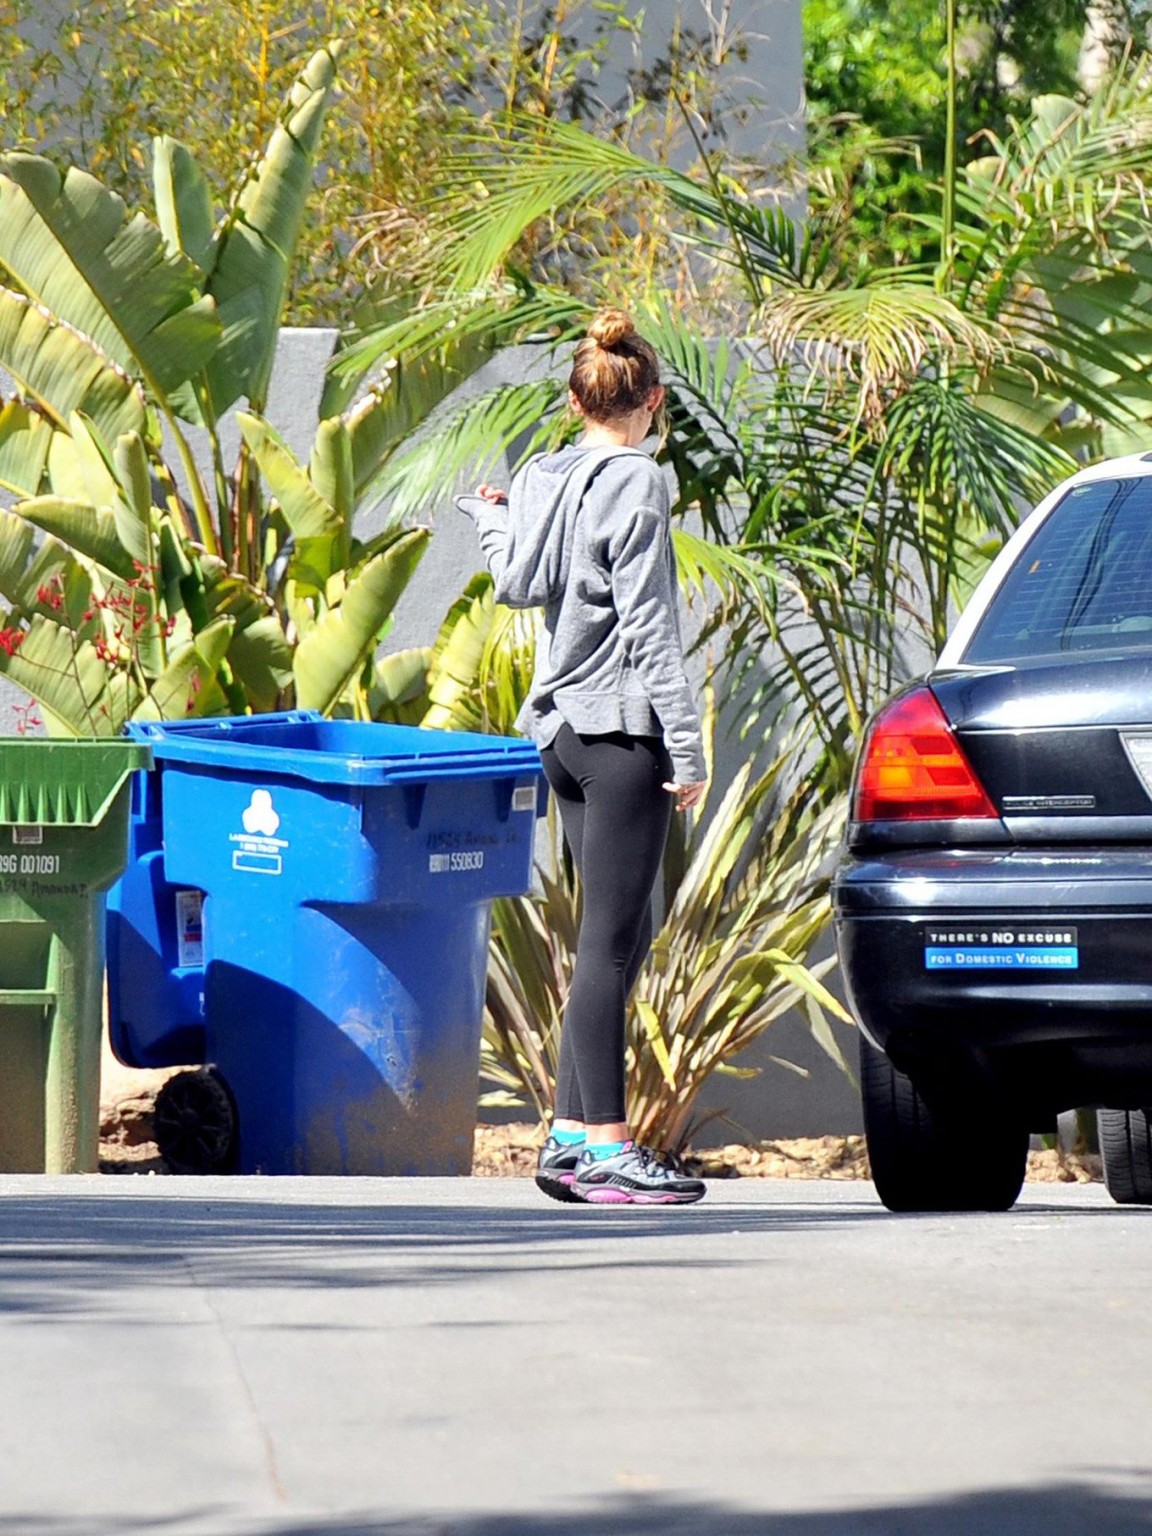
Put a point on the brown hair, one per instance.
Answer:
(614, 369)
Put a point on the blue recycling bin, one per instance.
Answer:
(307, 908)
(155, 948)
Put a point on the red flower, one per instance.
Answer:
(26, 718)
(50, 595)
(11, 640)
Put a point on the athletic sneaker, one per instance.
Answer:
(633, 1176)
(556, 1168)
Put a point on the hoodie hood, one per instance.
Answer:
(543, 507)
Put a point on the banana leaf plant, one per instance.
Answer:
(134, 583)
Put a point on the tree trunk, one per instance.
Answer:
(1107, 31)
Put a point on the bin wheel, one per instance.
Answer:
(194, 1123)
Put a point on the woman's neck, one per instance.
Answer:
(620, 432)
(601, 434)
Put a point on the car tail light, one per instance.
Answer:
(912, 767)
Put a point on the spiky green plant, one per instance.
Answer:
(746, 899)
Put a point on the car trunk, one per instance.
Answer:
(1062, 744)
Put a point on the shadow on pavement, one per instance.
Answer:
(1060, 1509)
(61, 1254)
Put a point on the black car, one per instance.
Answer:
(994, 904)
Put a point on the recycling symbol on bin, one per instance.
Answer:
(260, 819)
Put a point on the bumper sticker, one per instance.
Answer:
(1053, 948)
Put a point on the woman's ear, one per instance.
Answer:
(574, 405)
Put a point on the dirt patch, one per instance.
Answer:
(509, 1151)
(505, 1151)
(127, 1099)
(1057, 1167)
(126, 1144)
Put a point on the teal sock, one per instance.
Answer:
(568, 1138)
(605, 1149)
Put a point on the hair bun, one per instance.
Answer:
(611, 327)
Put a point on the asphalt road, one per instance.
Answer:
(317, 1357)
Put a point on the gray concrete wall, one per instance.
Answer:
(760, 85)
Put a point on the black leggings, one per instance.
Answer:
(615, 815)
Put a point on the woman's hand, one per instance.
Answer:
(687, 795)
(491, 493)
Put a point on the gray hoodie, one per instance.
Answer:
(586, 535)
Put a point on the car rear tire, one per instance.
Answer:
(1126, 1148)
(924, 1161)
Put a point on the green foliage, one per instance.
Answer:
(874, 83)
(102, 637)
(248, 276)
(155, 593)
(95, 86)
(341, 640)
(214, 74)
(70, 245)
(60, 372)
(481, 664)
(474, 677)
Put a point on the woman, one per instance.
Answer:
(585, 534)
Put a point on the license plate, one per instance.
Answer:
(1001, 947)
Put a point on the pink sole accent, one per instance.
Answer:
(610, 1195)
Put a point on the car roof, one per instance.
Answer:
(1131, 467)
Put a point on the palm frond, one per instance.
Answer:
(452, 331)
(879, 335)
(943, 447)
(495, 196)
(474, 435)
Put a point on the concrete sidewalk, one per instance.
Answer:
(322, 1358)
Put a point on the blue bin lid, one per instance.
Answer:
(303, 744)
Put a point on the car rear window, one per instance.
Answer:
(1082, 583)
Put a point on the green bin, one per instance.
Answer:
(63, 842)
